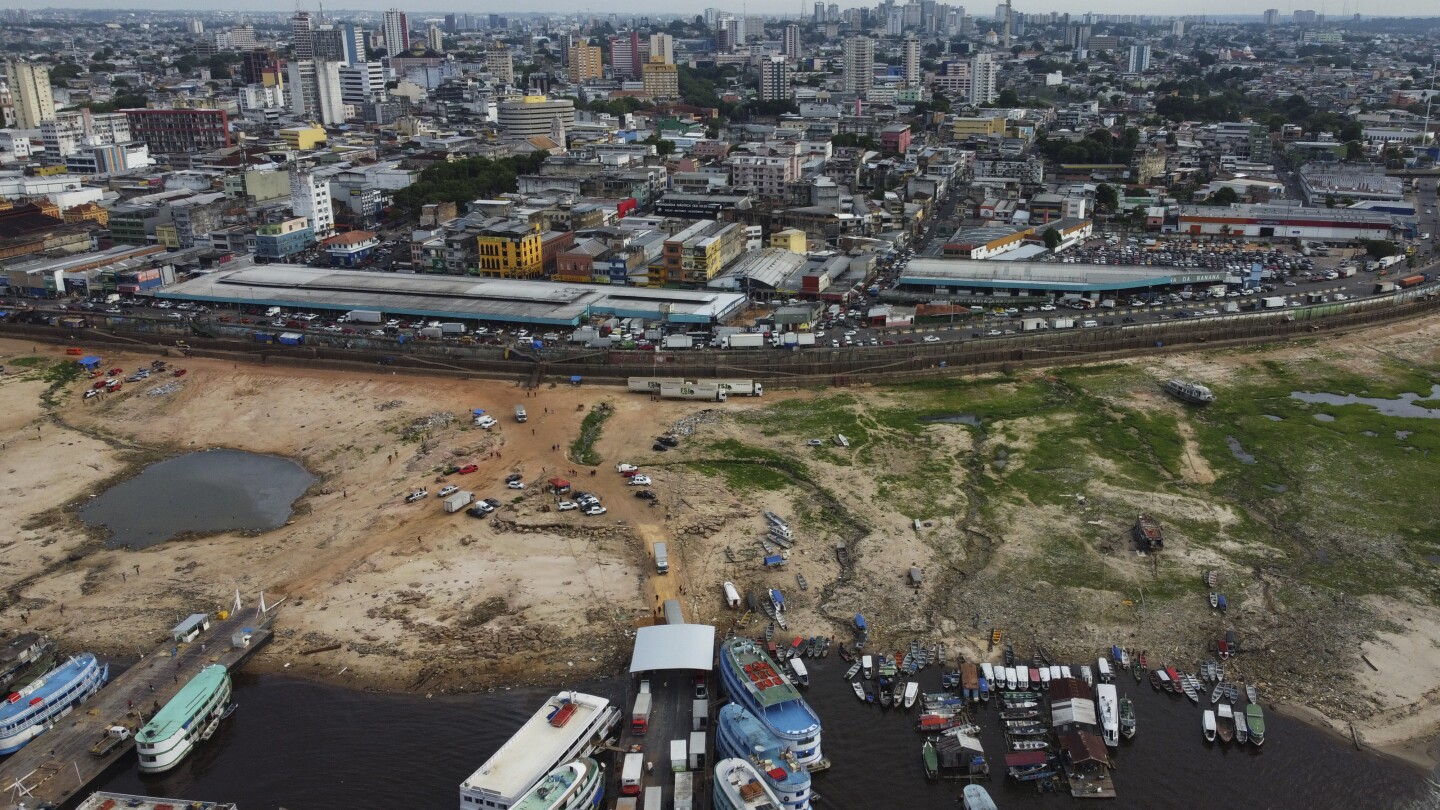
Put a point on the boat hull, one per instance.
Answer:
(50, 698)
(158, 756)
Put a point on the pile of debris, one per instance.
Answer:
(167, 388)
(686, 426)
(426, 424)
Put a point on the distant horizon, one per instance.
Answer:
(1403, 9)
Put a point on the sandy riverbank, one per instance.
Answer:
(423, 601)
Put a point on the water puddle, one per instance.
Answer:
(953, 419)
(1324, 417)
(1372, 434)
(1238, 451)
(1273, 418)
(1276, 488)
(201, 493)
(1402, 435)
(1403, 405)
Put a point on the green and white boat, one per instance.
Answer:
(1255, 722)
(190, 717)
(573, 786)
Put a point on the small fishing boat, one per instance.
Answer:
(1086, 675)
(1127, 717)
(1143, 663)
(897, 695)
(1102, 670)
(1174, 682)
(912, 691)
(1012, 682)
(859, 690)
(1029, 745)
(1028, 731)
(1225, 722)
(802, 675)
(860, 622)
(1242, 728)
(988, 671)
(1224, 606)
(1035, 677)
(867, 665)
(984, 690)
(1251, 693)
(1212, 579)
(1009, 654)
(886, 697)
(1207, 725)
(1217, 693)
(1222, 649)
(1157, 680)
(869, 691)
(1116, 654)
(1019, 714)
(1214, 599)
(1191, 392)
(1232, 693)
(1255, 721)
(1021, 704)
(932, 760)
(1137, 671)
(1044, 678)
(1191, 685)
(850, 673)
(845, 653)
(1065, 671)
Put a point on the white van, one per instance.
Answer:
(272, 312)
(1087, 324)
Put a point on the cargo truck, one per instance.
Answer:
(707, 393)
(805, 339)
(1231, 306)
(1062, 323)
(1384, 287)
(458, 501)
(640, 716)
(650, 385)
(269, 313)
(1346, 272)
(697, 751)
(432, 332)
(452, 328)
(662, 559)
(520, 415)
(684, 792)
(364, 316)
(1412, 281)
(1273, 302)
(743, 388)
(678, 342)
(654, 798)
(749, 340)
(630, 774)
(678, 760)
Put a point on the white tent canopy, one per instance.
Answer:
(673, 646)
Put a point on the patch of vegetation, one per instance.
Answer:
(743, 476)
(27, 362)
(582, 450)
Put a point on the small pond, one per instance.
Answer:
(200, 493)
(1403, 405)
(953, 419)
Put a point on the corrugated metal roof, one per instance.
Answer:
(673, 646)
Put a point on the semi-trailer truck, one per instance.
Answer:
(640, 716)
(743, 388)
(631, 772)
(650, 385)
(748, 340)
(707, 393)
(364, 316)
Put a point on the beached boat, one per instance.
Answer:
(1212, 579)
(802, 675)
(1107, 702)
(1127, 718)
(1255, 721)
(869, 691)
(912, 691)
(932, 760)
(739, 786)
(867, 666)
(1029, 745)
(1019, 714)
(1173, 677)
(845, 654)
(23, 659)
(1207, 725)
(1148, 536)
(1242, 728)
(984, 689)
(30, 712)
(1158, 680)
(1222, 649)
(1217, 693)
(859, 690)
(1086, 675)
(850, 673)
(1225, 722)
(573, 786)
(1103, 673)
(1251, 693)
(988, 671)
(741, 735)
(188, 718)
(1191, 392)
(1224, 605)
(1214, 600)
(1191, 685)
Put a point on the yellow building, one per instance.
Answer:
(697, 254)
(167, 235)
(662, 81)
(510, 250)
(586, 63)
(789, 239)
(978, 127)
(303, 137)
(88, 212)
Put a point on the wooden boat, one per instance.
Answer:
(1242, 728)
(932, 760)
(859, 690)
(1224, 605)
(1021, 704)
(1191, 685)
(1212, 579)
(1251, 693)
(845, 653)
(1225, 722)
(1217, 693)
(1214, 600)
(1159, 680)
(1222, 649)
(1137, 671)
(1028, 731)
(912, 691)
(1035, 682)
(1232, 693)
(1127, 717)
(886, 696)
(1174, 679)
(869, 691)
(776, 520)
(842, 554)
(1019, 714)
(1029, 745)
(1148, 536)
(1009, 654)
(850, 673)
(1255, 721)
(802, 582)
(1207, 725)
(1143, 663)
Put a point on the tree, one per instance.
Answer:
(1106, 197)
(662, 146)
(1052, 239)
(1007, 98)
(1354, 152)
(1379, 248)
(1225, 196)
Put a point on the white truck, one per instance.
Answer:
(697, 751)
(684, 792)
(458, 501)
(1062, 323)
(707, 393)
(678, 761)
(678, 342)
(743, 388)
(452, 328)
(805, 339)
(748, 340)
(630, 774)
(364, 316)
(1272, 302)
(520, 415)
(640, 715)
(1033, 324)
(650, 385)
(662, 559)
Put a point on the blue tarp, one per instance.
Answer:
(575, 380)
(478, 412)
(859, 621)
(90, 361)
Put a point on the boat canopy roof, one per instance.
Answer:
(673, 646)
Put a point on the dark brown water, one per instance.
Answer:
(303, 746)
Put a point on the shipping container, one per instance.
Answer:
(678, 760)
(291, 338)
(458, 501)
(684, 791)
(697, 751)
(264, 337)
(364, 316)
(650, 385)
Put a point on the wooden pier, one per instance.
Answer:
(58, 765)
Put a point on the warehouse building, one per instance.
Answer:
(452, 298)
(1287, 222)
(969, 278)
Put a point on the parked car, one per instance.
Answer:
(640, 481)
(467, 469)
(448, 489)
(478, 511)
(669, 441)
(932, 339)
(645, 494)
(566, 506)
(513, 477)
(487, 421)
(516, 484)
(416, 495)
(595, 510)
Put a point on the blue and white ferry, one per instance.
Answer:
(30, 712)
(739, 735)
(752, 680)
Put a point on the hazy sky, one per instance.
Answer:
(1335, 8)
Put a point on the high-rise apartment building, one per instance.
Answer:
(983, 71)
(662, 80)
(1139, 59)
(315, 91)
(791, 45)
(819, 12)
(362, 83)
(435, 38)
(910, 61)
(775, 79)
(586, 63)
(302, 35)
(859, 67)
(1272, 16)
(500, 63)
(663, 46)
(310, 198)
(395, 28)
(169, 132)
(625, 54)
(30, 92)
(67, 132)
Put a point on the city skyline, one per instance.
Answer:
(1220, 10)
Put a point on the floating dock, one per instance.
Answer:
(59, 764)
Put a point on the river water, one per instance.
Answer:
(304, 746)
(210, 491)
